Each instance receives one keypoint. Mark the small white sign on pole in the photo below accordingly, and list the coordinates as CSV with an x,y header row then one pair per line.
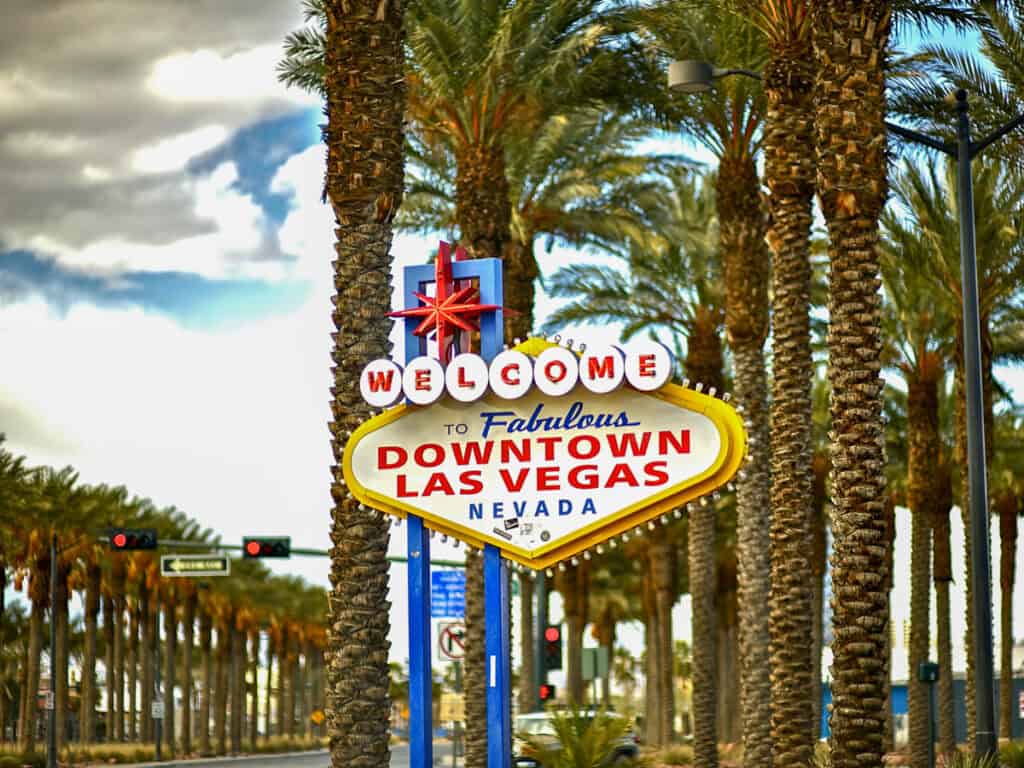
x,y
451,641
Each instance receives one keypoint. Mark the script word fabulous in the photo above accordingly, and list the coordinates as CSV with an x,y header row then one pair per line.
x,y
647,366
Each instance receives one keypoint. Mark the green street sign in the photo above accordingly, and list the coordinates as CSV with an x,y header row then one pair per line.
x,y
194,565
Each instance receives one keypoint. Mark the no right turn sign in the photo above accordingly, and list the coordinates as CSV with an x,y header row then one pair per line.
x,y
451,641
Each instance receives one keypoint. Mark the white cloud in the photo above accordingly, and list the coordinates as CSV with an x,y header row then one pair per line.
x,y
173,153
206,76
43,143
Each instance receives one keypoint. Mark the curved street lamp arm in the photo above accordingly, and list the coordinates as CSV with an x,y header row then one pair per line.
x,y
921,138
716,73
979,146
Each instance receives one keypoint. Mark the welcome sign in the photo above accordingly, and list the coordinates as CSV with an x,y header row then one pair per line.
x,y
543,475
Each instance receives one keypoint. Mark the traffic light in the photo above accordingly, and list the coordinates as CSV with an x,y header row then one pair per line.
x,y
553,647
122,539
547,692
267,546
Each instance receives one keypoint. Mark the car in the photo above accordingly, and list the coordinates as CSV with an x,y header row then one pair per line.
x,y
540,728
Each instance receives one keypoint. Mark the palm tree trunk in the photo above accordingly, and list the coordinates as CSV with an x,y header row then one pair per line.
x,y
109,667
661,557
35,647
23,697
727,648
705,673
282,684
254,712
293,692
87,704
851,40
187,672
652,694
147,657
205,643
960,447
1007,567
527,672
890,542
944,642
59,677
117,703
474,677
365,87
795,623
267,722
220,690
133,675
170,673
237,687
923,446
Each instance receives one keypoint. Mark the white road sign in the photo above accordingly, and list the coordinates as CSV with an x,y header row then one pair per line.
x,y
451,640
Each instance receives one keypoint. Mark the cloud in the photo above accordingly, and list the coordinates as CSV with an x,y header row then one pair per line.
x,y
99,127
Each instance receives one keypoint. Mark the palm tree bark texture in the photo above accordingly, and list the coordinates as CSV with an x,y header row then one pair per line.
x,y
742,226
850,40
365,89
789,174
923,448
188,624
943,566
205,652
1008,509
87,703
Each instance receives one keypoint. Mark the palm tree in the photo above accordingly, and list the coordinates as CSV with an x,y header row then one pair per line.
x,y
920,334
359,67
851,48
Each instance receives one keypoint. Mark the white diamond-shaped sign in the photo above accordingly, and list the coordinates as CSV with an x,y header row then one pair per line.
x,y
540,477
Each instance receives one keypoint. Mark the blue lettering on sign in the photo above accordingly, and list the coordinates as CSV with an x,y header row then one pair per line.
x,y
496,510
574,418
448,594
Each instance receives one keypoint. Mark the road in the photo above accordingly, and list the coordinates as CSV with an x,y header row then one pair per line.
x,y
399,759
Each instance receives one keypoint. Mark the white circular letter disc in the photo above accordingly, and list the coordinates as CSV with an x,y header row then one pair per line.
x,y
381,383
556,371
511,374
466,377
423,380
648,365
602,369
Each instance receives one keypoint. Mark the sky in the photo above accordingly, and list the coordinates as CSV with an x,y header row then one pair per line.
x,y
165,271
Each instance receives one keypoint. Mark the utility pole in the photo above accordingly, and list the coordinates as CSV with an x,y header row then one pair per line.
x,y
541,624
51,696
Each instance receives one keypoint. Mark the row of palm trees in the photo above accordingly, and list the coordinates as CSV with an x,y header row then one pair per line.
x,y
224,641
520,119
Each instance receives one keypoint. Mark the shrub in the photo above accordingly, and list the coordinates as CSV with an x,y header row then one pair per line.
x,y
676,756
1012,754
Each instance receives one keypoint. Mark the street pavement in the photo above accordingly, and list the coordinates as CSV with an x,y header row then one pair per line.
x,y
320,759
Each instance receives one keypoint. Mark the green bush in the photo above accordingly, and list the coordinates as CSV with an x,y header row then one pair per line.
x,y
1011,755
676,756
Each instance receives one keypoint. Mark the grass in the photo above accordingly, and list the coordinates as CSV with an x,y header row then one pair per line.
x,y
116,754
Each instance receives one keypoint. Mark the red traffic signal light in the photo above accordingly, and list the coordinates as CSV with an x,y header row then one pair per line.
x,y
553,647
264,546
547,692
551,634
123,539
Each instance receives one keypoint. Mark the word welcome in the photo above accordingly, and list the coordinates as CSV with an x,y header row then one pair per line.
x,y
555,372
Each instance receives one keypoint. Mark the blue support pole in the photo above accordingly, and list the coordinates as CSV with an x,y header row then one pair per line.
x,y
496,607
421,741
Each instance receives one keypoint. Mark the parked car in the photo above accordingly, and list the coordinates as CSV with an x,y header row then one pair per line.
x,y
540,728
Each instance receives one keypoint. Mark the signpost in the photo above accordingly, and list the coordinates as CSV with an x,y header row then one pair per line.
x,y
194,565
535,454
451,641
448,594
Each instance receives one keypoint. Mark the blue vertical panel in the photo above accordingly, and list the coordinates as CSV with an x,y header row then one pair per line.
x,y
414,279
499,724
421,744
492,324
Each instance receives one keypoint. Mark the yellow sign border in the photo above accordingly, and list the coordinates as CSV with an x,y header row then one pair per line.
x,y
730,457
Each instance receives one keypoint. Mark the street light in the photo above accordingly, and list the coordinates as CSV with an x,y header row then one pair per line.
x,y
699,76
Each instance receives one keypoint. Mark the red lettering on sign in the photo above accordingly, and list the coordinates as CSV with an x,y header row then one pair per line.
x,y
592,449
647,365
472,453
682,445
422,383
421,455
516,484
562,371
587,482
621,475
462,380
509,447
656,474
547,479
382,457
378,380
599,368
549,444
506,374
438,482
471,482
403,490
621,443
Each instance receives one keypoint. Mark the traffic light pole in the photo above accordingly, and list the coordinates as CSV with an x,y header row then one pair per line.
x,y
541,624
51,699
158,702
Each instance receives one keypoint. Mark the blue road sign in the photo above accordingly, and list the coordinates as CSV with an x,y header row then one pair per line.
x,y
448,594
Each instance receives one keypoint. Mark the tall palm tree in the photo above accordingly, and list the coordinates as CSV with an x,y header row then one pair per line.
x,y
920,335
851,49
361,72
